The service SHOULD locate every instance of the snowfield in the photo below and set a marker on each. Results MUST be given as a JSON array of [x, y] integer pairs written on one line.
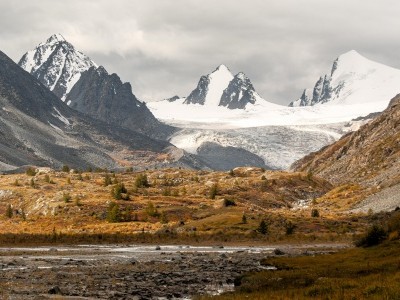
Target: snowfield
[[280, 134]]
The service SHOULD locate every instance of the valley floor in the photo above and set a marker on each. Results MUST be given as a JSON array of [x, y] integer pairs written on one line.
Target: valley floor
[[130, 272]]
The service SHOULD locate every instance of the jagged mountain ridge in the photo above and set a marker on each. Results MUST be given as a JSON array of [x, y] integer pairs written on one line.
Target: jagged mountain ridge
[[369, 156], [104, 96], [56, 64], [353, 79], [221, 88], [78, 81], [37, 128]]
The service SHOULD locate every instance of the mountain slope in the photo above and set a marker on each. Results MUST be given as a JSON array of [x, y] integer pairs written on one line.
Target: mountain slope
[[105, 97], [57, 64], [77, 80], [370, 156], [354, 79], [37, 128]]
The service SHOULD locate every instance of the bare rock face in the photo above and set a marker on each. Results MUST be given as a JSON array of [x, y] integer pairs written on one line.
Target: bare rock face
[[370, 155], [105, 97], [239, 93]]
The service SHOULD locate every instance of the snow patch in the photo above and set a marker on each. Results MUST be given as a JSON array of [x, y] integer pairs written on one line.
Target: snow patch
[[61, 117]]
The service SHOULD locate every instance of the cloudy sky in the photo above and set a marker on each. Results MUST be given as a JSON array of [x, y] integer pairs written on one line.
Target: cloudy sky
[[163, 46]]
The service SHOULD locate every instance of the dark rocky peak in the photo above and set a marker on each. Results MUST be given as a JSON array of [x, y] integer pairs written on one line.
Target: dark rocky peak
[[106, 97], [198, 95], [239, 93]]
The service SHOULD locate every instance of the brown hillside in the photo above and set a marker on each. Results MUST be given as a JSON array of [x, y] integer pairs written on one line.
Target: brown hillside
[[369, 156]]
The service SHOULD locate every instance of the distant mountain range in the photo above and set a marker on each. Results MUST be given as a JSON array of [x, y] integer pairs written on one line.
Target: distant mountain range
[[223, 122]]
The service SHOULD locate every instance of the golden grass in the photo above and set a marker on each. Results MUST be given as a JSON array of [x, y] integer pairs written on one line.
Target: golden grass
[[186, 209], [371, 273]]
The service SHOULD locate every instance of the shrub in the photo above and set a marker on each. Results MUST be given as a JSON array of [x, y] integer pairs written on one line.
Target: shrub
[[65, 168], [16, 182], [164, 218], [30, 171], [374, 236], [66, 197], [166, 191], [229, 202], [289, 227], [244, 219], [68, 180], [213, 191], [113, 213], [314, 213], [32, 183], [263, 227], [141, 181], [151, 210], [9, 211], [118, 190], [107, 180]]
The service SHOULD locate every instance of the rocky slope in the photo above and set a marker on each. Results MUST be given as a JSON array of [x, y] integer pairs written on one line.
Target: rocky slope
[[105, 97], [369, 156], [37, 128]]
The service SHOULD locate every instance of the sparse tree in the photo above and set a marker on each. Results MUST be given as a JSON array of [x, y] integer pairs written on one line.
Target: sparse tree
[[213, 191], [164, 218], [47, 178], [314, 213], [107, 180], [9, 211], [118, 190], [263, 227], [113, 214], [65, 168], [244, 219], [289, 227], [30, 171], [151, 210], [141, 181], [66, 197]]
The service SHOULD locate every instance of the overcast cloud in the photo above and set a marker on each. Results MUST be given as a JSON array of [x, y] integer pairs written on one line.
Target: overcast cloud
[[163, 46]]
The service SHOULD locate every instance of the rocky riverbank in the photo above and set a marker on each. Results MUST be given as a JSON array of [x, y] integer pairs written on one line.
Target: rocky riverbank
[[146, 272]]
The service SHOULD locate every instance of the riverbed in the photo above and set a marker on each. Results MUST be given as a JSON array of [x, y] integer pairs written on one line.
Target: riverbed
[[131, 271]]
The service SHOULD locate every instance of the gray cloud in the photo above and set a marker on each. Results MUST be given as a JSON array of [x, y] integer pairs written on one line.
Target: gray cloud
[[162, 47]]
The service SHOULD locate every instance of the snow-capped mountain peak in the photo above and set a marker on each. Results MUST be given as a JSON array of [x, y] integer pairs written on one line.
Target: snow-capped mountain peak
[[210, 87], [353, 79], [57, 64], [55, 38]]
